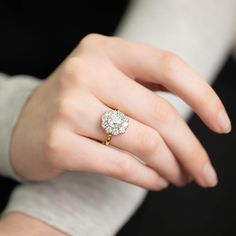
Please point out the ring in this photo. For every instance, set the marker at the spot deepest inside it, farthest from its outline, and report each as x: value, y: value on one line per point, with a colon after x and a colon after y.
x: 115, y: 123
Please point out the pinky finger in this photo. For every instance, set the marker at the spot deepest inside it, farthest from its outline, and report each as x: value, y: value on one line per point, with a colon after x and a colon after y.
x: 85, y: 154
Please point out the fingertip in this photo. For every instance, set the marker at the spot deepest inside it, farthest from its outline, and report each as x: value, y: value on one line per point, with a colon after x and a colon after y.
x: 224, y: 122
x: 161, y: 184
x: 184, y: 182
x: 209, y: 176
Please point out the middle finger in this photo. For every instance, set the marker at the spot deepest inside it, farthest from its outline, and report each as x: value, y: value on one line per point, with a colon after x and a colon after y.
x: 144, y: 106
x: 140, y: 140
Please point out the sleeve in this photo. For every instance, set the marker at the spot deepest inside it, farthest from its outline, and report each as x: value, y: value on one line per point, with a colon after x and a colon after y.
x: 79, y: 203
x: 14, y: 92
x: 85, y: 204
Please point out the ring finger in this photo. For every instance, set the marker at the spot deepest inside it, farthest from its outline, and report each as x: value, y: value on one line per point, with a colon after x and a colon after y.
x: 140, y: 140
x: 152, y: 110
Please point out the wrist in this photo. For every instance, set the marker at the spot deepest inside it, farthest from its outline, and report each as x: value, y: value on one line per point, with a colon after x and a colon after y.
x: 19, y: 224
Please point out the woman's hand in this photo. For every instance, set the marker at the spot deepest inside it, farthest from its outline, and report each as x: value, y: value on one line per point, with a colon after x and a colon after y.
x: 60, y: 126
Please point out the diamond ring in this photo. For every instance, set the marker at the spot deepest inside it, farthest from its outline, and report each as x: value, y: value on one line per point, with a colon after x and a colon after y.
x: 115, y: 123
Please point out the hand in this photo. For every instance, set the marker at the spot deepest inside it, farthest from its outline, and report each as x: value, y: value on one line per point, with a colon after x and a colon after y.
x: 60, y: 126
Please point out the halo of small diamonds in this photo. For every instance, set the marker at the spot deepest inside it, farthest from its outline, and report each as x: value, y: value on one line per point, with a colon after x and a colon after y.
x: 114, y: 122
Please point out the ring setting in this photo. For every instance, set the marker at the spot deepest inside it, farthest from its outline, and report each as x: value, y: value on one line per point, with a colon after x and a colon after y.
x: 115, y: 123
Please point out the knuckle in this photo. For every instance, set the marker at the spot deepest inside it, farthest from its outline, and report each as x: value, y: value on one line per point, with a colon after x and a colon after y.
x: 122, y: 168
x: 93, y: 37
x: 197, y: 156
x: 65, y: 109
x: 206, y: 97
x: 52, y: 144
x: 92, y: 40
x: 148, y: 143
x: 55, y: 162
x: 72, y: 70
x: 163, y: 112
x: 55, y: 149
x: 172, y: 64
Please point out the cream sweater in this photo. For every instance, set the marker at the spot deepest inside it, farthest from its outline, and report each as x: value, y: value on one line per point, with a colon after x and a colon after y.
x: 202, y: 32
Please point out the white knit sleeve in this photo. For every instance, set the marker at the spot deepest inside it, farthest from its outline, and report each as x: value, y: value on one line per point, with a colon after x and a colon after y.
x: 14, y: 91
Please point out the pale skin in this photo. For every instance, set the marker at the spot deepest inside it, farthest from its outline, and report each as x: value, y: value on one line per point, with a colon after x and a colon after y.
x: 62, y: 119
x: 21, y: 225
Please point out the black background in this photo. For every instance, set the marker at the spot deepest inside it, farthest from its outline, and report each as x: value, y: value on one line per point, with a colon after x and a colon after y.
x: 194, y: 210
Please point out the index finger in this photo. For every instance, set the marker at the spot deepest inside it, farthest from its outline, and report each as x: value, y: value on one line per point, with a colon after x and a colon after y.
x: 139, y: 60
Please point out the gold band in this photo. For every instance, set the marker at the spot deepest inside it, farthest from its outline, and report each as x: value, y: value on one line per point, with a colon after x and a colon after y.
x: 115, y: 123
x: 107, y: 140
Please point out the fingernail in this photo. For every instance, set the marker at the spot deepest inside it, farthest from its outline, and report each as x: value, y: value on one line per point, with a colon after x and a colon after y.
x: 189, y: 179
x: 210, y: 175
x: 224, y: 121
x: 163, y: 183
x: 184, y: 181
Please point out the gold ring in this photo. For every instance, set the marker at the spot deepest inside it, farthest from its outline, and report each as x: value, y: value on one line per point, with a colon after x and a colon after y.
x: 114, y: 122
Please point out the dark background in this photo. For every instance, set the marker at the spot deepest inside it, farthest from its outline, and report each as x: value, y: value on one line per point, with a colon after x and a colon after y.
x: 37, y: 35
x: 194, y: 210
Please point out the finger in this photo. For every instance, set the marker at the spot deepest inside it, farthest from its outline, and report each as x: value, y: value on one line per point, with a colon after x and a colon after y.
x: 150, y: 64
x: 139, y: 140
x: 154, y: 111
x: 83, y: 154
x: 152, y: 86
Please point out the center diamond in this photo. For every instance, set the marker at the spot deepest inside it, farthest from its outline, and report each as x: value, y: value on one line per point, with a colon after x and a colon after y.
x: 114, y: 122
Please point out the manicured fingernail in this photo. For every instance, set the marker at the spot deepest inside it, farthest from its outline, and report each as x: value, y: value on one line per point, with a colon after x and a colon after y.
x: 163, y: 183
x: 210, y: 175
x: 224, y: 121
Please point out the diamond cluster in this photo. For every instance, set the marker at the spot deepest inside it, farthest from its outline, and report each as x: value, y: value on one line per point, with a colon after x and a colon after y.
x: 114, y: 122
